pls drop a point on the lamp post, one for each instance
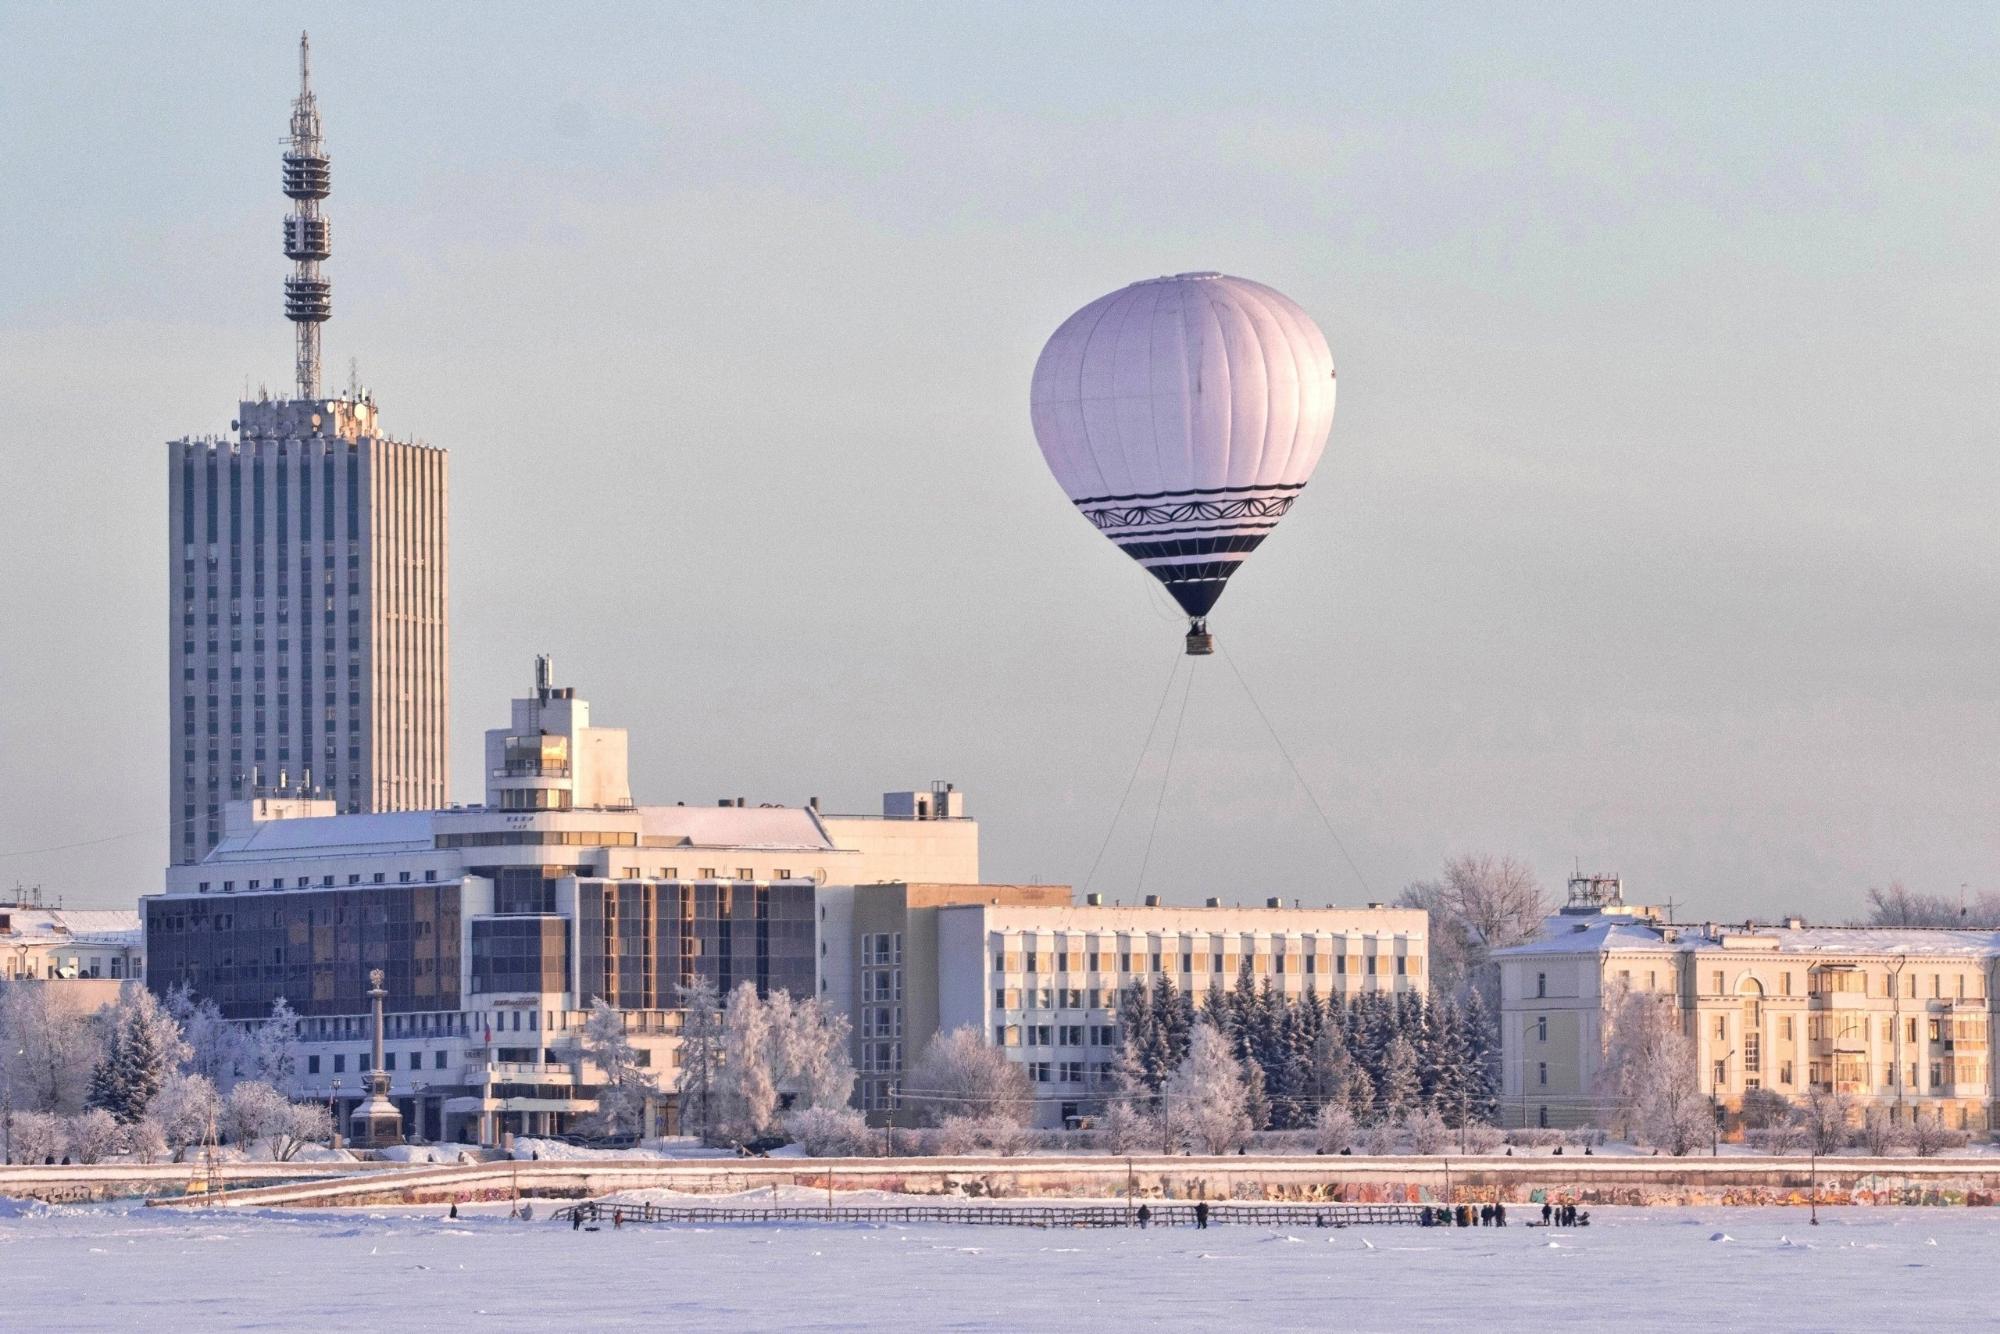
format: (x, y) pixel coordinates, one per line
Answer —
(417, 1088)
(1715, 1097)
(333, 1110)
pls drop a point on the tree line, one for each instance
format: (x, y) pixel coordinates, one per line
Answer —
(147, 1077)
(1378, 1056)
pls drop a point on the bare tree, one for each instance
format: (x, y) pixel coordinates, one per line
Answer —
(1881, 1134)
(1648, 1073)
(1900, 906)
(1827, 1118)
(1480, 904)
(1929, 1136)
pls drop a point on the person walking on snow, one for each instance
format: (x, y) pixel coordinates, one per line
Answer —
(1201, 1214)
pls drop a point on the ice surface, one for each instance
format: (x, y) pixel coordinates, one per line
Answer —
(123, 1268)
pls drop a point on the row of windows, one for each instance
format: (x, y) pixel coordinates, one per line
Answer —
(325, 881)
(336, 1062)
(1263, 957)
(1220, 965)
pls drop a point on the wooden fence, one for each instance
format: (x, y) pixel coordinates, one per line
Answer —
(1158, 1214)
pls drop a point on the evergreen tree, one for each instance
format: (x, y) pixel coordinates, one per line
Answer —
(1400, 1086)
(1135, 1034)
(1215, 1007)
(1159, 1048)
(144, 1047)
(1481, 1044)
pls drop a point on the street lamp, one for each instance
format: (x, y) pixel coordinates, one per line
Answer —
(1715, 1097)
(333, 1111)
(417, 1105)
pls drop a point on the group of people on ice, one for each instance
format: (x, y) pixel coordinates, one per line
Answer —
(1463, 1215)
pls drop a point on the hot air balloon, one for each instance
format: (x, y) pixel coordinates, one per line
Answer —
(1183, 416)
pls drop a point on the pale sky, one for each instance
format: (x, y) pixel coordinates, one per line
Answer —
(1656, 530)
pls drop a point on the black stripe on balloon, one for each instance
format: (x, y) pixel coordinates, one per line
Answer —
(1193, 491)
(1261, 527)
(1192, 546)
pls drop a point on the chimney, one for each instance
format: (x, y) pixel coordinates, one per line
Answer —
(812, 803)
(1152, 900)
(1093, 900)
(1795, 923)
(1211, 903)
(1274, 903)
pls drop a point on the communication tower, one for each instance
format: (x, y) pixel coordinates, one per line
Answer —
(308, 236)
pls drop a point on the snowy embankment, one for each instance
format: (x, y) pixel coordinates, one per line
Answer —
(1682, 1270)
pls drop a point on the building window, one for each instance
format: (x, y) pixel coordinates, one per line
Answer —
(1721, 1073)
(1541, 984)
(1542, 1073)
(1541, 1028)
(312, 1065)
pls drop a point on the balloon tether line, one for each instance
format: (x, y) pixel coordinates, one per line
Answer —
(1137, 765)
(1173, 746)
(1310, 794)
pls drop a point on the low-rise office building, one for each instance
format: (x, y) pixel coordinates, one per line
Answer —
(1043, 982)
(1898, 1018)
(497, 925)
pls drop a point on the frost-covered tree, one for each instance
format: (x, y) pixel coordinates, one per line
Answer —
(700, 1056)
(143, 1049)
(1480, 1039)
(186, 1111)
(1426, 1131)
(627, 1085)
(747, 1105)
(1648, 1077)
(812, 1050)
(218, 1050)
(274, 1046)
(47, 1049)
(1480, 904)
(36, 1137)
(144, 1140)
(92, 1136)
(252, 1111)
(1206, 1097)
(960, 1075)
(1334, 1128)
(830, 1132)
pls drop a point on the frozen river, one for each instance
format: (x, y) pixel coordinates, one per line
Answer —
(1678, 1269)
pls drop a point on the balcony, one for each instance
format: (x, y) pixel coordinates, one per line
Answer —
(484, 1073)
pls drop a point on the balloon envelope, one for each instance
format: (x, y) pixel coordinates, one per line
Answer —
(1183, 416)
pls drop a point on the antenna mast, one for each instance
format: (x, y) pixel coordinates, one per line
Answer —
(308, 236)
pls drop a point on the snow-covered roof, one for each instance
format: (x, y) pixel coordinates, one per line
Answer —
(761, 827)
(107, 926)
(389, 831)
(1605, 934)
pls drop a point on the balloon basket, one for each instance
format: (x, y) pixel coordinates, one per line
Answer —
(1200, 643)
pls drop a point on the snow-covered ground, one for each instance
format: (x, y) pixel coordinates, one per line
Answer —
(1677, 1269)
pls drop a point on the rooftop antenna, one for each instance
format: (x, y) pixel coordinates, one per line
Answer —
(308, 236)
(354, 379)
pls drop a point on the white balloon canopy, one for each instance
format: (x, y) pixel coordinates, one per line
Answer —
(1183, 416)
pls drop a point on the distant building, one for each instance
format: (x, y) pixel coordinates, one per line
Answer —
(1040, 977)
(85, 955)
(1897, 1018)
(308, 641)
(497, 924)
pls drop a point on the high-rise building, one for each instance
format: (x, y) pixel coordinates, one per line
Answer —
(309, 634)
